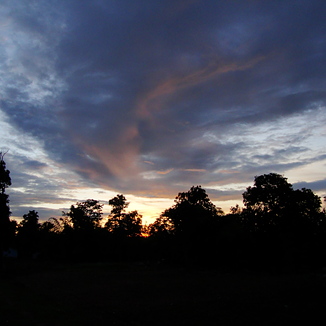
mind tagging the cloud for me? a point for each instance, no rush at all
(35, 165)
(148, 98)
(165, 172)
(318, 185)
(154, 99)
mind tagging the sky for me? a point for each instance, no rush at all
(147, 98)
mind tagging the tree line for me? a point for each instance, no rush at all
(278, 227)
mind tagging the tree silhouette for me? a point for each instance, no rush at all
(53, 225)
(191, 223)
(285, 223)
(276, 225)
(119, 222)
(6, 227)
(28, 236)
(161, 227)
(84, 216)
(193, 212)
(268, 200)
(80, 230)
(5, 180)
(307, 206)
(30, 221)
(273, 202)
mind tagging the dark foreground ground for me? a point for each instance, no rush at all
(137, 294)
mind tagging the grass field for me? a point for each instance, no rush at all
(136, 294)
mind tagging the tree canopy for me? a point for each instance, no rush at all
(270, 193)
(121, 223)
(273, 202)
(85, 215)
(277, 222)
(192, 212)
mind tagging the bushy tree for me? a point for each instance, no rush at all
(285, 224)
(30, 221)
(272, 202)
(268, 200)
(161, 227)
(307, 206)
(193, 212)
(187, 231)
(84, 216)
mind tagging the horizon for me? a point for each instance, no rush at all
(152, 214)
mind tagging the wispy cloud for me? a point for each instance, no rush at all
(195, 170)
(164, 172)
(156, 97)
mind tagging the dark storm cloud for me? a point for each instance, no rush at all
(107, 85)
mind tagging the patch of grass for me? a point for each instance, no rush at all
(136, 294)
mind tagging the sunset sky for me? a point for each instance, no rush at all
(147, 98)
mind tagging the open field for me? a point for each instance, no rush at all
(136, 294)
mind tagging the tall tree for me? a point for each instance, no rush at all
(121, 223)
(28, 237)
(5, 180)
(5, 224)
